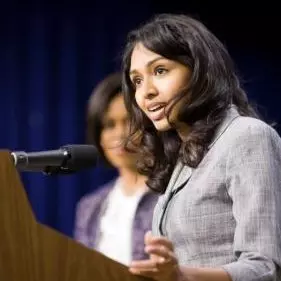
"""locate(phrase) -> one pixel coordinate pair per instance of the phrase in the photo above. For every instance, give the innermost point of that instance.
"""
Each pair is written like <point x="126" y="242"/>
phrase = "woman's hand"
<point x="162" y="264"/>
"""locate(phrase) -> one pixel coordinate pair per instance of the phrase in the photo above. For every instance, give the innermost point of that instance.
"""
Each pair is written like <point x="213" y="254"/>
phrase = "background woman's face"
<point x="114" y="131"/>
<point x="157" y="81"/>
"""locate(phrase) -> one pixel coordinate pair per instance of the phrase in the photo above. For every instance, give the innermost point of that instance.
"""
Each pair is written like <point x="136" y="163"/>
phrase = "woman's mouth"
<point x="156" y="111"/>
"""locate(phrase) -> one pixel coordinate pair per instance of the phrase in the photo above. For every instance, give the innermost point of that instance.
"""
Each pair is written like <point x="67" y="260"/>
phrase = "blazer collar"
<point x="182" y="173"/>
<point x="231" y="115"/>
<point x="176" y="176"/>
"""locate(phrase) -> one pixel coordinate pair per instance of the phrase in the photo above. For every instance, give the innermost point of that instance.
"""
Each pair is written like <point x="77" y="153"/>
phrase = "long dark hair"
<point x="98" y="103"/>
<point x="213" y="87"/>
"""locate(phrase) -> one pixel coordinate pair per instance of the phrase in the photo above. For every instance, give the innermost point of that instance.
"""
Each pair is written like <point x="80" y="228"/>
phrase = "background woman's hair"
<point x="98" y="103"/>
<point x="213" y="87"/>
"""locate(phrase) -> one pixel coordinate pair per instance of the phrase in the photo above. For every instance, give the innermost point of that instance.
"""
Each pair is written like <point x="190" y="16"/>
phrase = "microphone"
<point x="66" y="160"/>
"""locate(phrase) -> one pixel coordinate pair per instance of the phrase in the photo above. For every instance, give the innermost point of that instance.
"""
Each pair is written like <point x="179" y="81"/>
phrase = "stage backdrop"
<point x="51" y="56"/>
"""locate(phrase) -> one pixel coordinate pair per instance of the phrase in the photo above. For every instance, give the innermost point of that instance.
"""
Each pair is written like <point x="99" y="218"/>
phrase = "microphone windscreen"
<point x="81" y="156"/>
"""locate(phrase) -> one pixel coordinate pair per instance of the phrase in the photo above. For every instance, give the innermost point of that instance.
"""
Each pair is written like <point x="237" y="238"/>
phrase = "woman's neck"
<point x="132" y="181"/>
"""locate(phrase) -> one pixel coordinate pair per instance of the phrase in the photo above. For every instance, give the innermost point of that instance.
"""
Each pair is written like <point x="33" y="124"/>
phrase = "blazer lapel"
<point x="231" y="114"/>
<point x="182" y="178"/>
<point x="182" y="173"/>
<point x="174" y="177"/>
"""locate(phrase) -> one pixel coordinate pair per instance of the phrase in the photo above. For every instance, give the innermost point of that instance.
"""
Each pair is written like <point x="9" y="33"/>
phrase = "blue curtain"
<point x="50" y="59"/>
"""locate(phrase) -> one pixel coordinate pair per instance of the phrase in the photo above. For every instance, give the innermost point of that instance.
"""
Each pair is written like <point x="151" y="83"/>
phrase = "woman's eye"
<point x="137" y="81"/>
<point x="160" y="71"/>
<point x="108" y="124"/>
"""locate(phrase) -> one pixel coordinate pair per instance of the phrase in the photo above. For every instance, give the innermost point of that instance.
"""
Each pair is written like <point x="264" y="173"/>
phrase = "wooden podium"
<point x="30" y="251"/>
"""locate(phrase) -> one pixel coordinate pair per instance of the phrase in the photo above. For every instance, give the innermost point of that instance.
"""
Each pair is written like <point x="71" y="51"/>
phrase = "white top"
<point x="117" y="224"/>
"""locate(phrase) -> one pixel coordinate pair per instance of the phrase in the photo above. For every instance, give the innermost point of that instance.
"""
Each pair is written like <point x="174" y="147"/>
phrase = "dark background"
<point x="53" y="53"/>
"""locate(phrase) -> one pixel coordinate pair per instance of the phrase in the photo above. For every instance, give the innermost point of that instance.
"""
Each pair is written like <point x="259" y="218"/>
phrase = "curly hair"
<point x="213" y="87"/>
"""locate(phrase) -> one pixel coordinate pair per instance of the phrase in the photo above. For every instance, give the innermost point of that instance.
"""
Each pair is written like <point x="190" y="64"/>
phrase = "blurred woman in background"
<point x="114" y="219"/>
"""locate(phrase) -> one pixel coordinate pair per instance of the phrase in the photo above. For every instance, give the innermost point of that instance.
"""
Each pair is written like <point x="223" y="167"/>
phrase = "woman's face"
<point x="114" y="131"/>
<point x="157" y="81"/>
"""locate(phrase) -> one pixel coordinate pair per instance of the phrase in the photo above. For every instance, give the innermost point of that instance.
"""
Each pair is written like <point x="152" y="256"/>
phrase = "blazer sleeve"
<point x="253" y="174"/>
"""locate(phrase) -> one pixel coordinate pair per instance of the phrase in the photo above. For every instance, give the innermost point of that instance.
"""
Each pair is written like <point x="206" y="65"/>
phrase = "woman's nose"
<point x="149" y="89"/>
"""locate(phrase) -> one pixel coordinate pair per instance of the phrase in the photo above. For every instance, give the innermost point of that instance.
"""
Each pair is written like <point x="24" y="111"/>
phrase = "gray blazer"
<point x="227" y="212"/>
